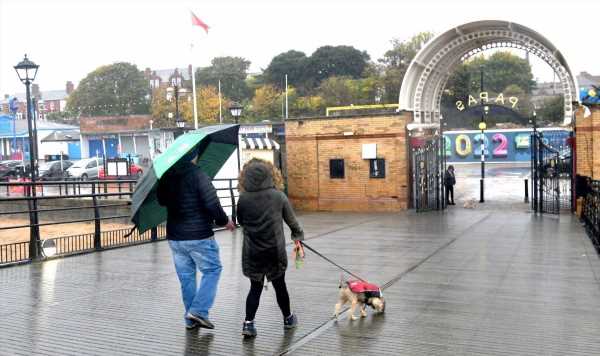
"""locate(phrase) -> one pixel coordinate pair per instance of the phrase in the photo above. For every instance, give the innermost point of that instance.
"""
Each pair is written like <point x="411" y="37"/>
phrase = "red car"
<point x="135" y="171"/>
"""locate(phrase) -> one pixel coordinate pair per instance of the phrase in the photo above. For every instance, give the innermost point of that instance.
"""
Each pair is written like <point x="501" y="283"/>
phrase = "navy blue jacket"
<point x="192" y="203"/>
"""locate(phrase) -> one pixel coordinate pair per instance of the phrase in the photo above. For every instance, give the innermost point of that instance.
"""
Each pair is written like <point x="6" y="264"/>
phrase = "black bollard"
<point x="526" y="191"/>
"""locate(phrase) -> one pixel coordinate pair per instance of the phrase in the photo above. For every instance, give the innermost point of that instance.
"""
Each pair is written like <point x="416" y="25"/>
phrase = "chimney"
<point x="35" y="91"/>
<point x="69" y="87"/>
<point x="190" y="71"/>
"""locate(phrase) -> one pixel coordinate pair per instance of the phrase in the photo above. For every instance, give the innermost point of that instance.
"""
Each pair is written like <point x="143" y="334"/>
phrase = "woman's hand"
<point x="299" y="248"/>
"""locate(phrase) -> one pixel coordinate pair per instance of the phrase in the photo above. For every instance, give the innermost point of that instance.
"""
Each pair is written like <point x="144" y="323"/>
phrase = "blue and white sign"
<point x="500" y="145"/>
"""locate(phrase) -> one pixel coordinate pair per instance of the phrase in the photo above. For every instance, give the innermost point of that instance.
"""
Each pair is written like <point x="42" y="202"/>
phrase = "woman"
<point x="449" y="182"/>
<point x="261" y="210"/>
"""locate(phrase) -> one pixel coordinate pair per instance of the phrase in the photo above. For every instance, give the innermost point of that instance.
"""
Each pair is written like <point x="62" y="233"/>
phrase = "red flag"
<point x="197" y="22"/>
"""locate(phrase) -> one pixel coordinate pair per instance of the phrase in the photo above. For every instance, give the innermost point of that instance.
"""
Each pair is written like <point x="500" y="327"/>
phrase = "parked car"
<point x="53" y="170"/>
<point x="85" y="169"/>
<point x="8" y="169"/>
<point x="135" y="171"/>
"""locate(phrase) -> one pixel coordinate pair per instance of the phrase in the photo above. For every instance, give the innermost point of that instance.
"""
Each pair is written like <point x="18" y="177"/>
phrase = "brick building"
<point x="587" y="131"/>
<point x="120" y="136"/>
<point x="354" y="163"/>
<point x="48" y="101"/>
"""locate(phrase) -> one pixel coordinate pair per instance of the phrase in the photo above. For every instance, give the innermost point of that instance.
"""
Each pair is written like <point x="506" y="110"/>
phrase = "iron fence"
<point x="591" y="213"/>
<point x="95" y="197"/>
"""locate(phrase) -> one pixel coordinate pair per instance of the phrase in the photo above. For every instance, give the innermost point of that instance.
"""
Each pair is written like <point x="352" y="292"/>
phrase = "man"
<point x="449" y="182"/>
<point x="192" y="207"/>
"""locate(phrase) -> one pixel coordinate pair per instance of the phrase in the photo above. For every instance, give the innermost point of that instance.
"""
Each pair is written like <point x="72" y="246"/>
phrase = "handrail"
<point x="94" y="191"/>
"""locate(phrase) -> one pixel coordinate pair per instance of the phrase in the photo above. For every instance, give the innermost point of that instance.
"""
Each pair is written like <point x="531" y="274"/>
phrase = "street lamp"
<point x="236" y="111"/>
<point x="180" y="123"/>
<point x="482" y="127"/>
<point x="176" y="84"/>
<point x="26" y="71"/>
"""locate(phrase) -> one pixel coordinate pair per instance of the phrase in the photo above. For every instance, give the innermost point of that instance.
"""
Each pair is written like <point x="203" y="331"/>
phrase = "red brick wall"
<point x="588" y="143"/>
<point x="311" y="143"/>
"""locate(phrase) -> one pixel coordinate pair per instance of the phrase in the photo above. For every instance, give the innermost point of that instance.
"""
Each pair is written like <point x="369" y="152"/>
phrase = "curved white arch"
<point x="427" y="74"/>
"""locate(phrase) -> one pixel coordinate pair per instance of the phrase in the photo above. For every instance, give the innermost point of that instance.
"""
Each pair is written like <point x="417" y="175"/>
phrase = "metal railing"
<point x="93" y="198"/>
<point x="591" y="213"/>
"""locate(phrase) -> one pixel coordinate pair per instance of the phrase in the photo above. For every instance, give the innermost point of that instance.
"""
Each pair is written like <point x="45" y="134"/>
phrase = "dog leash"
<point x="332" y="262"/>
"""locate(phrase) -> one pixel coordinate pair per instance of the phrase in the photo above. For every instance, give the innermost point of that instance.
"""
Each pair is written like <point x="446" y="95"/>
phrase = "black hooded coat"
<point x="261" y="211"/>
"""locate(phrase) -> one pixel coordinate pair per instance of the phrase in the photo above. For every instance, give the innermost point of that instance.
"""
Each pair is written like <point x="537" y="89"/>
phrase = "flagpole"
<point x="220" y="110"/>
<point x="286" y="97"/>
<point x="194" y="87"/>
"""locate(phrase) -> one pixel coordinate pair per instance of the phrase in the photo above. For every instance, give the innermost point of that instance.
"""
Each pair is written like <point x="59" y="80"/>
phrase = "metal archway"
<point x="427" y="74"/>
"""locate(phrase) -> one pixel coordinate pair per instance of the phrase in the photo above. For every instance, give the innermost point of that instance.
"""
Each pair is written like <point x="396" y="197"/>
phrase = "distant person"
<point x="262" y="209"/>
<point x="192" y="208"/>
<point x="449" y="182"/>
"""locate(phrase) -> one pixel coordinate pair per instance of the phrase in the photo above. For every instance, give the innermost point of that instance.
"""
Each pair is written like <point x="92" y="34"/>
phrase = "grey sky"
<point x="70" y="38"/>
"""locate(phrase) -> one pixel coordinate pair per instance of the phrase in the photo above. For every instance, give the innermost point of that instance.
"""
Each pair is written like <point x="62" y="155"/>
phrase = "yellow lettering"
<point x="463" y="145"/>
<point x="472" y="100"/>
<point x="500" y="99"/>
<point x="513" y="100"/>
<point x="484" y="96"/>
<point x="460" y="105"/>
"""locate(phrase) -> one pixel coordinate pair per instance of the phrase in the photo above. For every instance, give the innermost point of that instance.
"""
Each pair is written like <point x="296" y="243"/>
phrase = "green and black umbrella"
<point x="214" y="145"/>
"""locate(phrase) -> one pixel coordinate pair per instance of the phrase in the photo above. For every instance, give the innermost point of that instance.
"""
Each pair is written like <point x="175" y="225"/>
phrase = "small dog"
<point x="470" y="204"/>
<point x="359" y="293"/>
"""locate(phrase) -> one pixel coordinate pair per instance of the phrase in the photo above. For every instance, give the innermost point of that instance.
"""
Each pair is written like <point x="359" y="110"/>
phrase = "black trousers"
<point x="281" y="293"/>
<point x="450" y="194"/>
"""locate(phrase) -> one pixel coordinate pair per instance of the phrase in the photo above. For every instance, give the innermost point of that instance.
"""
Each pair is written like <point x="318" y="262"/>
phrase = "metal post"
<point x="526" y="191"/>
<point x="481" y="181"/>
<point x="233" y="206"/>
<point x="176" y="103"/>
<point x="97" y="239"/>
<point x="34" y="229"/>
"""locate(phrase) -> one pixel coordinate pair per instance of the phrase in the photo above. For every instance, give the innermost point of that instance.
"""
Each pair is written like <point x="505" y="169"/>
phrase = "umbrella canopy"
<point x="214" y="145"/>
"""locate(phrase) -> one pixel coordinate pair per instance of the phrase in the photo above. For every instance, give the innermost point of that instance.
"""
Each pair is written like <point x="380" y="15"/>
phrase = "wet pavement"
<point x="467" y="281"/>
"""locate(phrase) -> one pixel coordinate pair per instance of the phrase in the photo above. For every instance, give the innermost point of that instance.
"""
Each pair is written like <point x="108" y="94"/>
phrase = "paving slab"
<point x="466" y="281"/>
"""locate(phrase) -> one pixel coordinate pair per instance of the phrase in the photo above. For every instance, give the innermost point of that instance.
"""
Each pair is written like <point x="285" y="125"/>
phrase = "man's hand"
<point x="230" y="226"/>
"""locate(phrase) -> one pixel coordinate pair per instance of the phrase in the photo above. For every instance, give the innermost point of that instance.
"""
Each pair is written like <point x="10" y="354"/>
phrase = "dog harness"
<point x="370" y="290"/>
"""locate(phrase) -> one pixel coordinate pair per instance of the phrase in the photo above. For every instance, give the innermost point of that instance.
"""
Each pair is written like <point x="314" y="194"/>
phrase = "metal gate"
<point x="428" y="166"/>
<point x="551" y="177"/>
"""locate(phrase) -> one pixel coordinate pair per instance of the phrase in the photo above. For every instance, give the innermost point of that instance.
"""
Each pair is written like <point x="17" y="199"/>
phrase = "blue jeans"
<point x="189" y="257"/>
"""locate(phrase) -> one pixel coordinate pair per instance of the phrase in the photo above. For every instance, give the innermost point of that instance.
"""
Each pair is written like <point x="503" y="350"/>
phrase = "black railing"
<point x="94" y="202"/>
<point x="546" y="164"/>
<point x="591" y="213"/>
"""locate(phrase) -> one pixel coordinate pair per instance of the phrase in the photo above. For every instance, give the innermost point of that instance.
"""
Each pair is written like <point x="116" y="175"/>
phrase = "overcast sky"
<point x="70" y="38"/>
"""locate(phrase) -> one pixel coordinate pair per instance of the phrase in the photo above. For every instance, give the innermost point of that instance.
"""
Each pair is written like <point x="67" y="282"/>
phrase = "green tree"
<point x="338" y="91"/>
<point x="231" y="71"/>
<point x="396" y="61"/>
<point x="552" y="110"/>
<point x="115" y="89"/>
<point x="293" y="63"/>
<point x="266" y="103"/>
<point x="330" y="61"/>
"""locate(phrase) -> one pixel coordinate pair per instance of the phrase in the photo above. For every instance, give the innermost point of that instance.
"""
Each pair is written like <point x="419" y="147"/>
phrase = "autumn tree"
<point x="396" y="61"/>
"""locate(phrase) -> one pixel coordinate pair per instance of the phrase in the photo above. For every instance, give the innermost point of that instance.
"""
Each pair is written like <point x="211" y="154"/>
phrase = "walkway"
<point x="464" y="282"/>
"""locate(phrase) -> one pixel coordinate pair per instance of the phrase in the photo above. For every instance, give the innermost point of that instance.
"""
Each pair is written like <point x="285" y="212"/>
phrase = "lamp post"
<point x="176" y="84"/>
<point x="534" y="159"/>
<point x="482" y="127"/>
<point x="236" y="111"/>
<point x="26" y="71"/>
